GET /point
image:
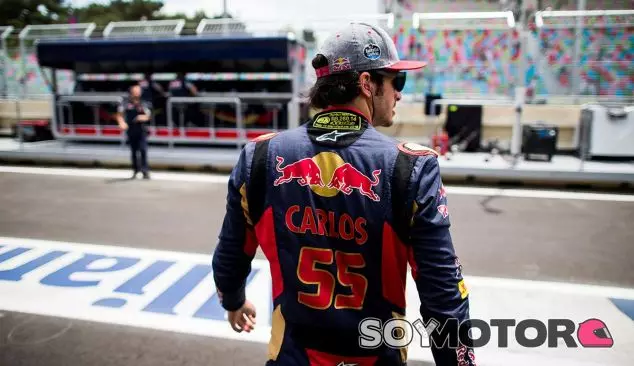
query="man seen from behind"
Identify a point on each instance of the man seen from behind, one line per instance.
(339, 210)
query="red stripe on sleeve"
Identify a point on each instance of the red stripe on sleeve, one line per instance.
(394, 267)
(265, 231)
(251, 243)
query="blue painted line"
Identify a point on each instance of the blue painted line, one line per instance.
(626, 306)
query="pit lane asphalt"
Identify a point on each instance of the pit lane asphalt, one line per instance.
(528, 238)
(580, 241)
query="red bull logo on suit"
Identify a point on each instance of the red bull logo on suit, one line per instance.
(327, 174)
(306, 171)
(347, 177)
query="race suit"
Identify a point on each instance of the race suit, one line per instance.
(339, 210)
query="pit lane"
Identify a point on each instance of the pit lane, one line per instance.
(564, 240)
(569, 240)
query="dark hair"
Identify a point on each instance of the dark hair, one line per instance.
(337, 89)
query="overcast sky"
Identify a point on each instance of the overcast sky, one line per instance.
(268, 9)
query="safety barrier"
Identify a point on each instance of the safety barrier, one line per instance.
(65, 125)
(177, 132)
(68, 129)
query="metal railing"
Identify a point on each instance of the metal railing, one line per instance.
(242, 139)
(4, 59)
(57, 31)
(66, 124)
(36, 33)
(464, 20)
(65, 101)
(144, 28)
(287, 27)
(576, 18)
(239, 101)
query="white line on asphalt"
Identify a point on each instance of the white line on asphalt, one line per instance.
(557, 287)
(534, 193)
(223, 179)
(490, 282)
(115, 174)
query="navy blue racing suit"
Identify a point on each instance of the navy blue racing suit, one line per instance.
(340, 210)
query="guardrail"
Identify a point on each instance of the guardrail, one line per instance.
(64, 101)
(207, 99)
(173, 129)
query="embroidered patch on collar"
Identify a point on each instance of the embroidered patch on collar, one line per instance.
(338, 121)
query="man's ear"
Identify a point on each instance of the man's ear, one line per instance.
(365, 84)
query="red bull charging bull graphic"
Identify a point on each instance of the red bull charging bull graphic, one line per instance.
(347, 177)
(331, 168)
(306, 171)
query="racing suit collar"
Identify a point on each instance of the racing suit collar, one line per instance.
(348, 109)
(337, 126)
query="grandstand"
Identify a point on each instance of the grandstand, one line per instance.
(604, 58)
(461, 57)
(466, 56)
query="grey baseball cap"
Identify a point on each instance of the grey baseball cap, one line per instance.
(362, 47)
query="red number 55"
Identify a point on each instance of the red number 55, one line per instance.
(325, 281)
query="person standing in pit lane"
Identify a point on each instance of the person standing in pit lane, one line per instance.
(133, 114)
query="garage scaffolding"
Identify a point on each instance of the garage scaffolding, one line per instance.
(249, 77)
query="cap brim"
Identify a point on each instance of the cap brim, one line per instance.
(407, 65)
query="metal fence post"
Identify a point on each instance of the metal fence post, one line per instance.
(170, 124)
(576, 60)
(520, 86)
(23, 62)
(18, 125)
(5, 32)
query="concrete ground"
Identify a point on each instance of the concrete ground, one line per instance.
(561, 240)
